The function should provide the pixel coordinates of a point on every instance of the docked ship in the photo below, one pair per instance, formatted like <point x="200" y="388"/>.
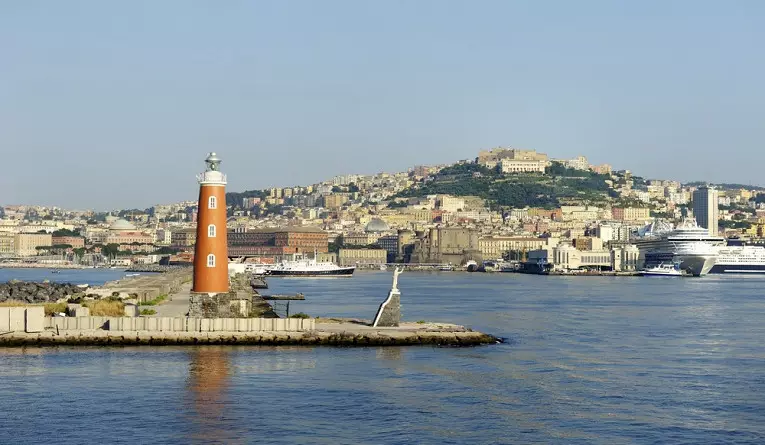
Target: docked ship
<point x="739" y="258"/>
<point x="687" y="244"/>
<point x="305" y="267"/>
<point x="663" y="270"/>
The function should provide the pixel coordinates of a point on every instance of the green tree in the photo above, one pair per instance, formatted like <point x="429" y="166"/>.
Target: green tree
<point x="110" y="250"/>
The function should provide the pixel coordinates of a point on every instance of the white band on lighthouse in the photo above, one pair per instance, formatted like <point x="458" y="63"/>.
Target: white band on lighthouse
<point x="211" y="177"/>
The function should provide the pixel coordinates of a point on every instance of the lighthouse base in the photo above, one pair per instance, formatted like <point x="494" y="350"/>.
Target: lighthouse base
<point x="223" y="305"/>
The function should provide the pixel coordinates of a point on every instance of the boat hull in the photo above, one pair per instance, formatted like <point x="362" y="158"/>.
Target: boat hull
<point x="738" y="268"/>
<point x="343" y="272"/>
<point x="697" y="265"/>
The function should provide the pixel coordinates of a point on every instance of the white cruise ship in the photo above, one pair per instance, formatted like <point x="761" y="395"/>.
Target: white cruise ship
<point x="738" y="258"/>
<point x="304" y="267"/>
<point x="687" y="244"/>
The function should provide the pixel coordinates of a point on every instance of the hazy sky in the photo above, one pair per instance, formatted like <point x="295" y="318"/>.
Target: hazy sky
<point x="108" y="104"/>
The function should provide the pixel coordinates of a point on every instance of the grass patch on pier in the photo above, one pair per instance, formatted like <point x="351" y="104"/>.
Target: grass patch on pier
<point x="148" y="312"/>
<point x="155" y="301"/>
<point x="54" y="308"/>
<point x="300" y="315"/>
<point x="105" y="308"/>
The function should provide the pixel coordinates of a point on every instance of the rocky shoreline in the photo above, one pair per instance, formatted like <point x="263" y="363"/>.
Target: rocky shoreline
<point x="37" y="293"/>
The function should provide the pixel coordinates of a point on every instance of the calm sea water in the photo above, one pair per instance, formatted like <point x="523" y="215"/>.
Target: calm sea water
<point x="588" y="360"/>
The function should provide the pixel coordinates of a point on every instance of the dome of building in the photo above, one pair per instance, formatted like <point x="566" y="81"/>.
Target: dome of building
<point x="121" y="225"/>
<point x="376" y="225"/>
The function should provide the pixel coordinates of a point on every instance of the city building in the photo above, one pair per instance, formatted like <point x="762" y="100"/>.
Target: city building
<point x="631" y="213"/>
<point x="351" y="257"/>
<point x="390" y="244"/>
<point x="514" y="247"/>
<point x="578" y="163"/>
<point x="335" y="201"/>
<point x="450" y="203"/>
<point x="26" y="244"/>
<point x="77" y="242"/>
<point x="444" y="245"/>
<point x="277" y="242"/>
<point x="124" y="232"/>
<point x="522" y="166"/>
<point x="602" y="169"/>
<point x="7" y="243"/>
<point x="182" y="238"/>
<point x="705" y="208"/>
<point x="492" y="158"/>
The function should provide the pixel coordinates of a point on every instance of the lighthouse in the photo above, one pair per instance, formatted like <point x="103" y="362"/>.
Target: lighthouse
<point x="211" y="251"/>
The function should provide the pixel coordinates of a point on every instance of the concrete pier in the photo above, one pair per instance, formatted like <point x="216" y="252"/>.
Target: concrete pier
<point x="338" y="333"/>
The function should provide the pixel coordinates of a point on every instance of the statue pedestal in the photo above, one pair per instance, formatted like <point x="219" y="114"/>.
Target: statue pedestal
<point x="389" y="314"/>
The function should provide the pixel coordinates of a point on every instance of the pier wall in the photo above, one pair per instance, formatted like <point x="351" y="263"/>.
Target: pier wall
<point x="180" y="324"/>
<point x="22" y="319"/>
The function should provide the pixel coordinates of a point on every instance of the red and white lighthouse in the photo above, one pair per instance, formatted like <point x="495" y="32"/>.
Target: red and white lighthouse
<point x="211" y="251"/>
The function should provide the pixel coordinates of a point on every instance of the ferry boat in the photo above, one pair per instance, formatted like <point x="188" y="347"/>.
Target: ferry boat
<point x="663" y="270"/>
<point x="687" y="244"/>
<point x="304" y="267"/>
<point x="739" y="258"/>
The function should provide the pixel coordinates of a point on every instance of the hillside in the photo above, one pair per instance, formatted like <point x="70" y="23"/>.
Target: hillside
<point x="557" y="185"/>
<point x="726" y="186"/>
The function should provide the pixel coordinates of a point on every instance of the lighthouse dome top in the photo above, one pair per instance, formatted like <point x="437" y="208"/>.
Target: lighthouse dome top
<point x="213" y="162"/>
<point x="212" y="175"/>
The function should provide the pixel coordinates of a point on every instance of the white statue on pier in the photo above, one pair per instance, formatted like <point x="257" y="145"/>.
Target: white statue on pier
<point x="389" y="313"/>
<point x="396" y="273"/>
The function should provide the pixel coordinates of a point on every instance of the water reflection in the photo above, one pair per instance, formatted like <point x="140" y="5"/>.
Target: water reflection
<point x="391" y="354"/>
<point x="207" y="387"/>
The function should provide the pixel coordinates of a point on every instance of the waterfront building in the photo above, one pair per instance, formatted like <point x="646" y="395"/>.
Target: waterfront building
<point x="211" y="248"/>
<point x="77" y="242"/>
<point x="390" y="244"/>
<point x="493" y="246"/>
<point x="566" y="256"/>
<point x="705" y="208"/>
<point x="443" y="245"/>
<point x="625" y="258"/>
<point x="26" y="244"/>
<point x="360" y="239"/>
<point x="7" y="243"/>
<point x="351" y="257"/>
<point x="277" y="241"/>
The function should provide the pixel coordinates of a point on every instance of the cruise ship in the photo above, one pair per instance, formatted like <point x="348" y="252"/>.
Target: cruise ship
<point x="305" y="267"/>
<point x="739" y="258"/>
<point x="687" y="244"/>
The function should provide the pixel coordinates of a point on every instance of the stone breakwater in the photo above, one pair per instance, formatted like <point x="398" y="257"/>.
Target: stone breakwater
<point x="35" y="293"/>
<point x="310" y="338"/>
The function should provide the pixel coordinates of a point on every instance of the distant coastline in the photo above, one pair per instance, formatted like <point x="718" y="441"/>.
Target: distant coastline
<point x="16" y="265"/>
